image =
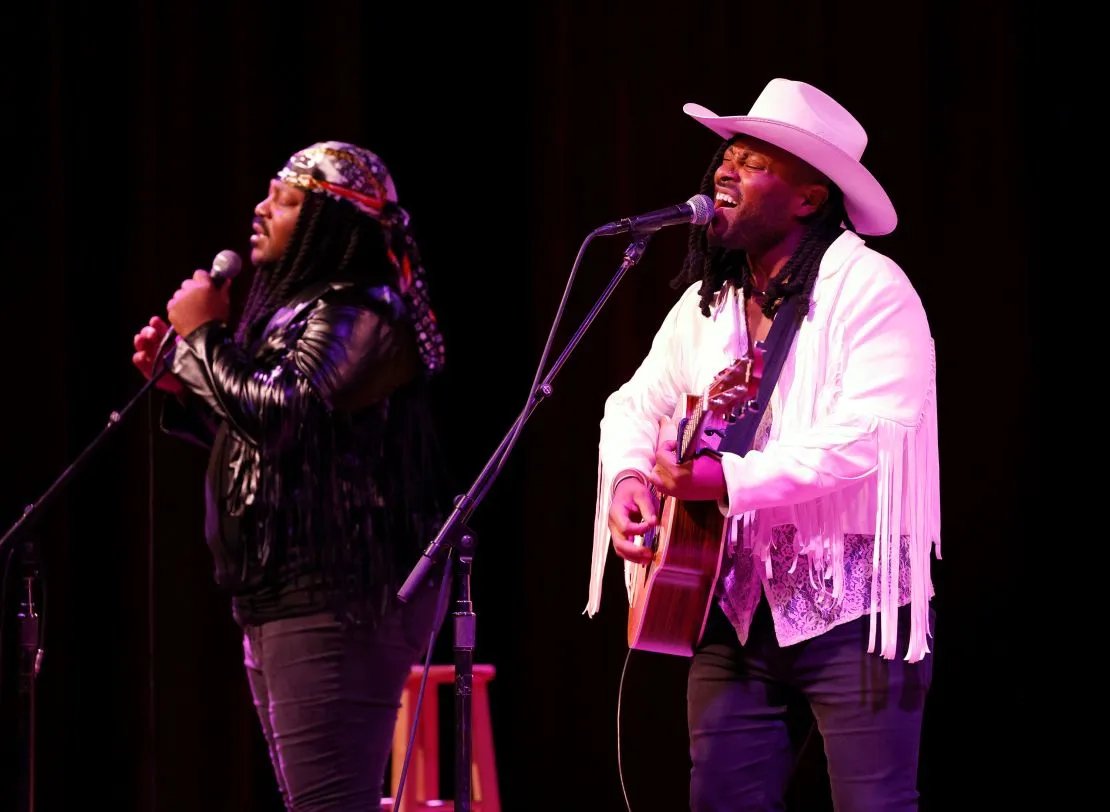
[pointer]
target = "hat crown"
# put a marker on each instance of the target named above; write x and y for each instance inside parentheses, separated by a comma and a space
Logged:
(804, 106)
(810, 124)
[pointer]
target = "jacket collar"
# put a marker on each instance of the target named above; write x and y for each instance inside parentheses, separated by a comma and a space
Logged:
(290, 310)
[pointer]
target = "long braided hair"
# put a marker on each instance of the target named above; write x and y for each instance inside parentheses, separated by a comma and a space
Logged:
(356, 497)
(713, 266)
(331, 240)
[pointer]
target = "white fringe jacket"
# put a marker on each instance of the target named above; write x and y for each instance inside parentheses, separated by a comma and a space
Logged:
(853, 445)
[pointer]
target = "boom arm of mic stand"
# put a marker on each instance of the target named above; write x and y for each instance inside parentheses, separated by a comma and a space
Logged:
(30, 512)
(455, 529)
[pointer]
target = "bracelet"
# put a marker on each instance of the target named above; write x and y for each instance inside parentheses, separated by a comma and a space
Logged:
(628, 473)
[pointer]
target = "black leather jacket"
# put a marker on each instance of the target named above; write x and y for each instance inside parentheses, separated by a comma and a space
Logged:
(323, 477)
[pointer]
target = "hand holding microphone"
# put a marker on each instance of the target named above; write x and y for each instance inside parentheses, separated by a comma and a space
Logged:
(200, 299)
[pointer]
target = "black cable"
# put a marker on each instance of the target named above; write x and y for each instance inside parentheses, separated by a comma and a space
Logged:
(620, 769)
(620, 692)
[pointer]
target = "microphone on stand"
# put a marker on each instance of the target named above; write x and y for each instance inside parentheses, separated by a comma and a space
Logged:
(226, 265)
(698, 210)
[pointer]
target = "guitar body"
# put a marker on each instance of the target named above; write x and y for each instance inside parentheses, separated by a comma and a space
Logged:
(670, 596)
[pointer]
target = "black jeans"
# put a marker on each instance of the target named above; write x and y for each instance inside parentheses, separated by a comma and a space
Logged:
(868, 711)
(327, 696)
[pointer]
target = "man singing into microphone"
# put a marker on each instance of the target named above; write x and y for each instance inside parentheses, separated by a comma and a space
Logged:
(830, 505)
(325, 481)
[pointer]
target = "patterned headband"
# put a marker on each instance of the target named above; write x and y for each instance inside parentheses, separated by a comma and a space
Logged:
(347, 172)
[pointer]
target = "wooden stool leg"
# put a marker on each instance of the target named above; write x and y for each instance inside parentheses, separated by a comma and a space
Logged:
(400, 743)
(427, 787)
(485, 762)
(422, 780)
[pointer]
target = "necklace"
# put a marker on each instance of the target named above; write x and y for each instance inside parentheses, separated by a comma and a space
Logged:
(752, 292)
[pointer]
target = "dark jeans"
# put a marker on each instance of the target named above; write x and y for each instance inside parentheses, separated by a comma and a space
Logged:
(327, 696)
(868, 711)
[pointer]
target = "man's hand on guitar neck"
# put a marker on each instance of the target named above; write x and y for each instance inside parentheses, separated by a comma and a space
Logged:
(697, 479)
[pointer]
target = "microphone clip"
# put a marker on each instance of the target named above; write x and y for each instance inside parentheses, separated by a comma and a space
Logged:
(635, 250)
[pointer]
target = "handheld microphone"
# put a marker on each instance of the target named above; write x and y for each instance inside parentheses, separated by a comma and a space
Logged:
(226, 265)
(698, 210)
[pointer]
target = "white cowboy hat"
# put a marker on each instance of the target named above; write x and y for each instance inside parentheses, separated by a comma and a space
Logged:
(810, 124)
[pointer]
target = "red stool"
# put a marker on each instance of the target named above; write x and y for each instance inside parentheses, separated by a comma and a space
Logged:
(422, 782)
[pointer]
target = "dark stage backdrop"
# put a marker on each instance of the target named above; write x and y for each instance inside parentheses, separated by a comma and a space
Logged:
(140, 135)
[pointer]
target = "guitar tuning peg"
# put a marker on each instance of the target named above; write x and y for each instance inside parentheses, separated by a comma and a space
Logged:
(722, 400)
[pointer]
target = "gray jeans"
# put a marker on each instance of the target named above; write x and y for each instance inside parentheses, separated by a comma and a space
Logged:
(327, 696)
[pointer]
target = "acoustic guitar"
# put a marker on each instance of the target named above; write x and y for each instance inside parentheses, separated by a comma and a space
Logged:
(670, 596)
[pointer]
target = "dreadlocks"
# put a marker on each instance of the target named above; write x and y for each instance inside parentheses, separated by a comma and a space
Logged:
(348, 247)
(714, 266)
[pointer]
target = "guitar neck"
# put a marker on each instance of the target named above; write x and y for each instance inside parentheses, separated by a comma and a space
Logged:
(690, 427)
(721, 400)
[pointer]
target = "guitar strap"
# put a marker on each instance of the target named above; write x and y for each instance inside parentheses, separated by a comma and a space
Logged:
(738, 437)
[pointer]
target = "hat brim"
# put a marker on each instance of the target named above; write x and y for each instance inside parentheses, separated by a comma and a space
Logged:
(866, 202)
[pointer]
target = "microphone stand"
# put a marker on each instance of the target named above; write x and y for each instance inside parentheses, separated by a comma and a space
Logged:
(456, 537)
(31, 622)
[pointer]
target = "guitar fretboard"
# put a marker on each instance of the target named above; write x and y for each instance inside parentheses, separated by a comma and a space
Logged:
(689, 430)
